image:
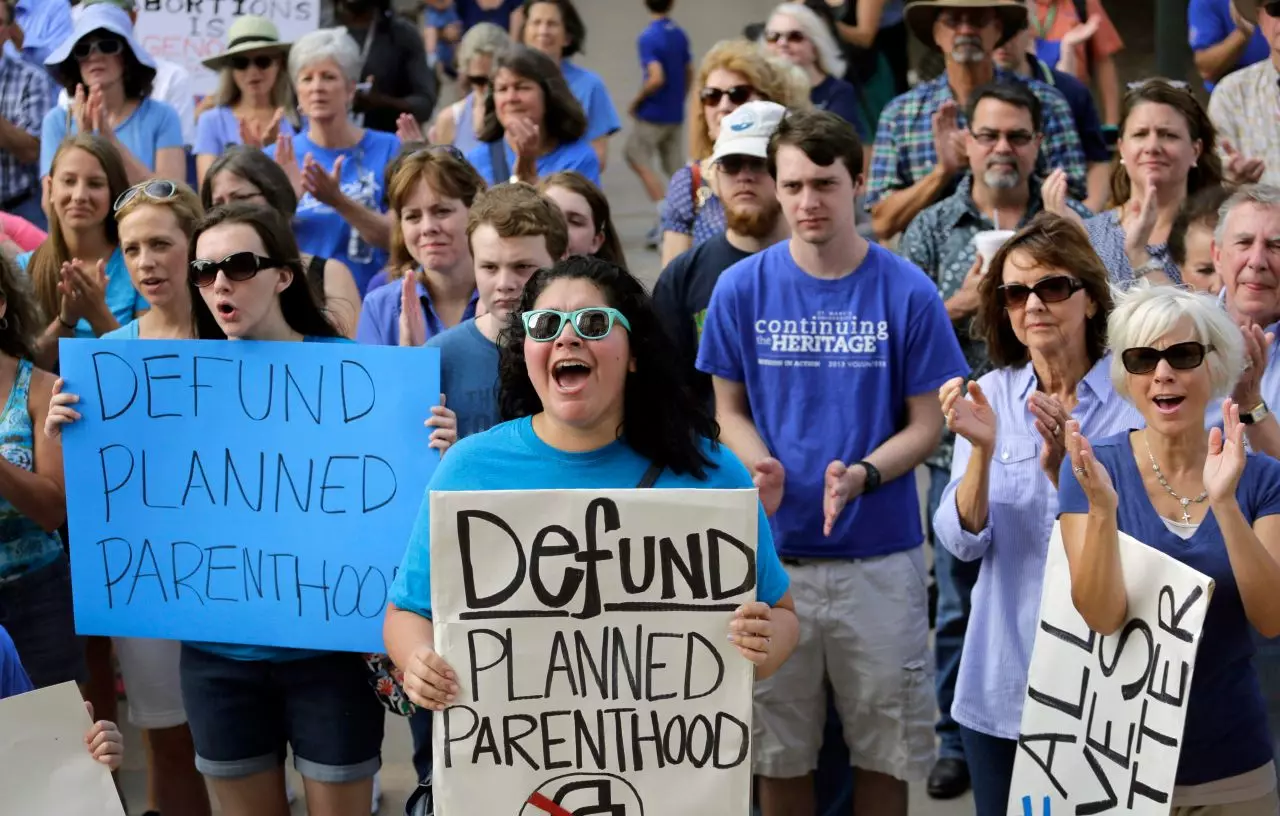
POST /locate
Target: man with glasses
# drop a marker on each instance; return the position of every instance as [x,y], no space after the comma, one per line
[1244,107]
[919,150]
[1001,147]
[24,99]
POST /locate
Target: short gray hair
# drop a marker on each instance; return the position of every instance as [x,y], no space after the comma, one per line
[830,57]
[1145,313]
[326,43]
[1260,195]
[481,39]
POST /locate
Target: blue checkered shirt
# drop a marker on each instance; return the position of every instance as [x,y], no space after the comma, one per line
[904,151]
[24,99]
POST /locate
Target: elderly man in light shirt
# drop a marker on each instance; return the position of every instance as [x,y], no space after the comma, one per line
[1245,106]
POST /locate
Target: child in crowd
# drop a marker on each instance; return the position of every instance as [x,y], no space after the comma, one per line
[1191,239]
[441,30]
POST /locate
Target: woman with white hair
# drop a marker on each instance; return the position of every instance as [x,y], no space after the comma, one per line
[1202,499]
[336,166]
[798,35]
[460,123]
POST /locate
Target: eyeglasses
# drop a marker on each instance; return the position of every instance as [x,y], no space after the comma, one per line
[1180,356]
[158,189]
[733,165]
[738,95]
[108,47]
[261,62]
[1049,290]
[479,82]
[238,266]
[793,37]
[1015,138]
[593,323]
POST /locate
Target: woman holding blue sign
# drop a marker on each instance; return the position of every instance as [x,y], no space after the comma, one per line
[580,360]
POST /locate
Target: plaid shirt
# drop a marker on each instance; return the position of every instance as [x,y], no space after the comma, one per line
[24,99]
[940,241]
[904,151]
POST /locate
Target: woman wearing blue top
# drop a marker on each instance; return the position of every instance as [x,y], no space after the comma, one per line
[459,124]
[1202,499]
[78,274]
[336,167]
[555,28]
[1042,309]
[796,34]
[108,76]
[593,425]
[533,126]
[254,97]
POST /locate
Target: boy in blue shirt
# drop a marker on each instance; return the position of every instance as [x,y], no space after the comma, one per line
[441,30]
[658,109]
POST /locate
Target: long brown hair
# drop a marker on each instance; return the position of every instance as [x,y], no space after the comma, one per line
[1207,171]
[21,322]
[45,266]
[602,219]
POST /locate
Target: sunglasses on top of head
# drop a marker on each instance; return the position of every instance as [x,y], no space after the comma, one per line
[592,323]
[156,189]
[107,47]
[238,266]
[261,62]
[1049,290]
[738,95]
[1179,356]
[793,37]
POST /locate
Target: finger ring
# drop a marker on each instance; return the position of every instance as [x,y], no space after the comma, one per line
[1079,471]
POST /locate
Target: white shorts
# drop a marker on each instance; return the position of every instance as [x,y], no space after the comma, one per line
[151,681]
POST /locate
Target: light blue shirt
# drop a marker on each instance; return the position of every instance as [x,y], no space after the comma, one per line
[218,128]
[45,25]
[1022,505]
[152,126]
[579,155]
[123,300]
[590,91]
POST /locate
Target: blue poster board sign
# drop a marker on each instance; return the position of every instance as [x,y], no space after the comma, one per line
[243,492]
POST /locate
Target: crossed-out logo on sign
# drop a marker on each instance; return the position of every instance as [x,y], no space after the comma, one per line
[828,339]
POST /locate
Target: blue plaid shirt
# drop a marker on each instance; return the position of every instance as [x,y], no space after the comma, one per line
[24,100]
[904,151]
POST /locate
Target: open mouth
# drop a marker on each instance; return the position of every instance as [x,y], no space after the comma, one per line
[153,281]
[570,375]
[1167,405]
[226,311]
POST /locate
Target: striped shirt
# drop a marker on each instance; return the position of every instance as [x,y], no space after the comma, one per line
[1022,507]
[904,151]
[24,99]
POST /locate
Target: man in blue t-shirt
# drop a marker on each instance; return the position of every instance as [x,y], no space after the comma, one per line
[826,353]
[658,109]
[1223,40]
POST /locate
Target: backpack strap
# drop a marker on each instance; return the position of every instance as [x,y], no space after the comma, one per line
[650,476]
[695,171]
[498,160]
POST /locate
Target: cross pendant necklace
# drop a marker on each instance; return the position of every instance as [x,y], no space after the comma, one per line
[1183,500]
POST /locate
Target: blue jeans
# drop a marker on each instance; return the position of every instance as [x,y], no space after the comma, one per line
[990,762]
[955,584]
[1267,663]
[420,728]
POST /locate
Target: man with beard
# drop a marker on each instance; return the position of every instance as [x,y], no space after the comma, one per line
[1001,145]
[919,150]
[754,217]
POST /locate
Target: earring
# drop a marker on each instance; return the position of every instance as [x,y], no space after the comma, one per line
[1122,162]
[4,323]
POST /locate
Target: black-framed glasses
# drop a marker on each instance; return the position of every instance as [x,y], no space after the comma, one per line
[1049,290]
[793,37]
[991,138]
[1179,356]
[261,62]
[107,47]
[477,81]
[592,323]
[158,189]
[738,95]
[735,164]
[238,266]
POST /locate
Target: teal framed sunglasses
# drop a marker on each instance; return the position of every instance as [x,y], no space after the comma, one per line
[592,323]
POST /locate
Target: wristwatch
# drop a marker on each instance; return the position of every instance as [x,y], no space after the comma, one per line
[1255,416]
[873,476]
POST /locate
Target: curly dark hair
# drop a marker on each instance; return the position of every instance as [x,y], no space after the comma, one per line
[563,119]
[664,421]
[22,321]
[137,78]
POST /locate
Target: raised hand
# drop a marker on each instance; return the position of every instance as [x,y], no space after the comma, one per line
[1051,423]
[60,410]
[965,302]
[770,479]
[948,139]
[972,418]
[413,325]
[751,631]
[524,136]
[429,681]
[1082,32]
[408,129]
[288,161]
[1089,472]
[1139,221]
[325,186]
[254,135]
[1257,352]
[841,484]
[1224,464]
[1240,169]
[444,424]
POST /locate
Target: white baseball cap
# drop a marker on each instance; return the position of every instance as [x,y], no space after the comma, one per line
[746,131]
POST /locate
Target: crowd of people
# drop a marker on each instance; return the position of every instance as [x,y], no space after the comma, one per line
[1062,310]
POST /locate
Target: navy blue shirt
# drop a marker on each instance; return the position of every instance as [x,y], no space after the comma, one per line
[471,13]
[1226,727]
[665,43]
[841,98]
[1209,23]
[1083,110]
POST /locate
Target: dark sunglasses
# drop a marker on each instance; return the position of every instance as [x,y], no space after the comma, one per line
[107,47]
[738,95]
[593,323]
[262,62]
[1180,356]
[238,266]
[991,138]
[479,82]
[733,165]
[1049,290]
[793,37]
[158,189]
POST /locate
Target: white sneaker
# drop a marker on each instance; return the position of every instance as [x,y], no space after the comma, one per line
[377,792]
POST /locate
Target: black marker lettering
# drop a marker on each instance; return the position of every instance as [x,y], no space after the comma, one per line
[629,584]
[1046,762]
[1104,747]
[364,492]
[290,381]
[593,555]
[230,472]
[511,740]
[173,569]
[117,376]
[549,742]
[1132,689]
[474,601]
[692,571]
[283,475]
[1074,710]
[323,586]
[106,566]
[715,538]
[107,487]
[504,640]
[155,378]
[350,395]
[1176,615]
[709,649]
[146,500]
[271,389]
[212,568]
[325,486]
[195,465]
[1137,788]
[1163,695]
[196,385]
[451,728]
[1106,803]
[651,666]
[148,553]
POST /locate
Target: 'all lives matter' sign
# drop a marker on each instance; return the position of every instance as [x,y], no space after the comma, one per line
[588,630]
[1103,718]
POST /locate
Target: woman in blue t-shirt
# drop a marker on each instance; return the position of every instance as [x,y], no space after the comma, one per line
[590,425]
[533,125]
[1200,498]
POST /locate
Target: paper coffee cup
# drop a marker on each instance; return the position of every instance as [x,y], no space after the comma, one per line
[988,243]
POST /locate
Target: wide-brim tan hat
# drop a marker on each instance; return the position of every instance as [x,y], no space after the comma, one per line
[249,34]
[920,15]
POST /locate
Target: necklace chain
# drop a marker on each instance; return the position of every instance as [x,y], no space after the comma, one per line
[1183,500]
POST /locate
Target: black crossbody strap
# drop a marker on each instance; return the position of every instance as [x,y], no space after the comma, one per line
[650,476]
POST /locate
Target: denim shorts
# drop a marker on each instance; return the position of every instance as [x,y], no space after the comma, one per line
[244,713]
[36,610]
